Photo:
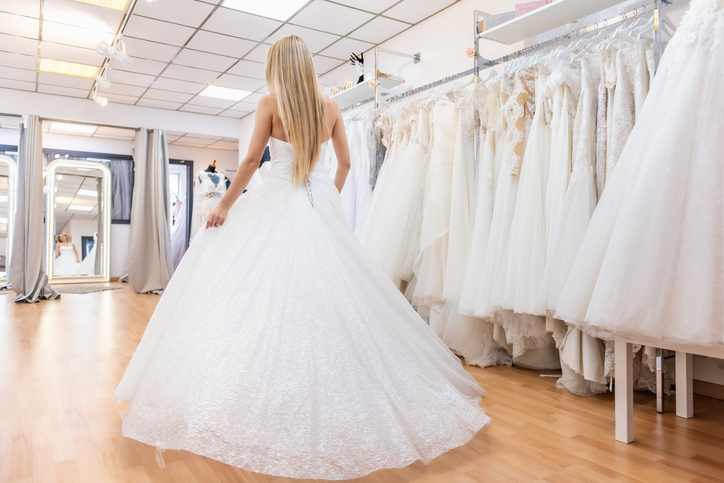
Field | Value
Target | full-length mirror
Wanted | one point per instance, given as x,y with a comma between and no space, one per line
78,221
7,212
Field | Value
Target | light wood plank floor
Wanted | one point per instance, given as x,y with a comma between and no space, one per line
60,362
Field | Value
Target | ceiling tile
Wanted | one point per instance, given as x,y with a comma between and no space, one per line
379,30
238,82
243,106
204,60
264,89
259,53
16,84
249,69
114,133
161,95
233,114
197,139
239,24
29,8
220,44
150,29
130,78
17,74
314,39
375,6
211,102
65,80
20,45
178,86
160,104
51,50
201,110
345,47
82,15
414,11
226,144
124,90
184,12
182,142
76,36
181,72
253,99
119,98
323,65
63,91
19,61
143,49
143,66
330,17
17,25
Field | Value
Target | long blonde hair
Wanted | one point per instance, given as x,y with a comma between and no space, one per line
290,76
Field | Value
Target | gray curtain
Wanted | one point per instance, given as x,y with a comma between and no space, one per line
28,264
121,188
150,264
100,230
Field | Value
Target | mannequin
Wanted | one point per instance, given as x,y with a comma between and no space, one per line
210,186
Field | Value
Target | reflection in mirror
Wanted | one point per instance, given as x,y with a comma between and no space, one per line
78,222
7,212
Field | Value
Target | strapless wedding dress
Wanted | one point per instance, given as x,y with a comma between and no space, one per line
66,264
280,347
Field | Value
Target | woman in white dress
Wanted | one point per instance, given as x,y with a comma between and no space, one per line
309,363
67,259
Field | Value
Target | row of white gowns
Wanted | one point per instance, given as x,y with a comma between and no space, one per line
483,248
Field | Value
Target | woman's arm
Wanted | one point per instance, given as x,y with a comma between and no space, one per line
250,163
57,250
341,147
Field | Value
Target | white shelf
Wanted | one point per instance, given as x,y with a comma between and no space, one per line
544,19
365,91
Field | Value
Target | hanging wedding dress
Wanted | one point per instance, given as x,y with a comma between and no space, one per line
484,198
430,264
582,356
522,270
210,188
462,197
332,378
650,266
88,264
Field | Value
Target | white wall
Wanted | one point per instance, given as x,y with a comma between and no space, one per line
77,228
120,238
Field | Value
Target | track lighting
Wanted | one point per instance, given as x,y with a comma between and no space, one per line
101,101
103,82
115,53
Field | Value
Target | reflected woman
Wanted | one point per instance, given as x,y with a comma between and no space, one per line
66,257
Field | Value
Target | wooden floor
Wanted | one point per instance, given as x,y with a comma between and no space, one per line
60,362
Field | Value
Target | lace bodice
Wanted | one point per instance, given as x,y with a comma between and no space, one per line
210,183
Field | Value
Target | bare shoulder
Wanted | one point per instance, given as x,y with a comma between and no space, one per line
267,101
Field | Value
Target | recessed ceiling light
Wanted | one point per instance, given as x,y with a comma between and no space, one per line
224,93
70,128
119,5
80,208
3,198
3,221
87,193
68,68
278,9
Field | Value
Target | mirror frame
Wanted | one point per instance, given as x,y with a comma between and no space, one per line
12,197
50,221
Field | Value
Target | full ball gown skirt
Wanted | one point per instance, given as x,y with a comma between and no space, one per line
281,348
650,265
66,264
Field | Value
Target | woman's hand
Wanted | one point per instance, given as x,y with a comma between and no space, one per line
217,217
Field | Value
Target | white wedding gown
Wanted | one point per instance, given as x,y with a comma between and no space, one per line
66,265
650,264
280,347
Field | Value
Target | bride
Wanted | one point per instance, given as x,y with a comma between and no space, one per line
279,346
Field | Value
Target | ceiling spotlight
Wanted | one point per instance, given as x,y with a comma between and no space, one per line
115,53
150,1
103,82
101,101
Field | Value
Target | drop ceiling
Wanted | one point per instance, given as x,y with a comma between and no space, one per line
180,47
